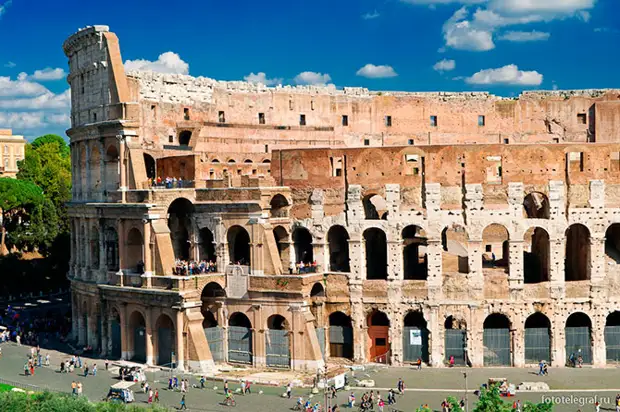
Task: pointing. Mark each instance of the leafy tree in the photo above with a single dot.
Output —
(29, 218)
(52, 138)
(491, 401)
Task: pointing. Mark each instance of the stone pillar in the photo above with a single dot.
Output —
(149, 335)
(89, 188)
(180, 344)
(73, 259)
(435, 270)
(558, 341)
(147, 253)
(556, 268)
(86, 250)
(396, 339)
(515, 275)
(598, 288)
(103, 263)
(436, 343)
(122, 241)
(318, 251)
(75, 314)
(518, 341)
(395, 269)
(599, 349)
(77, 173)
(126, 351)
(360, 331)
(258, 335)
(122, 171)
(102, 179)
(475, 275)
(475, 347)
(81, 326)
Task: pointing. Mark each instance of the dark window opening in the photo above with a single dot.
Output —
(345, 120)
(186, 114)
(481, 120)
(488, 248)
(388, 121)
(434, 121)
(94, 117)
(506, 141)
(266, 148)
(366, 142)
(261, 118)
(221, 117)
(185, 137)
(302, 119)
(582, 118)
(410, 142)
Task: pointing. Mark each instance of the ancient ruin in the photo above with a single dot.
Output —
(339, 223)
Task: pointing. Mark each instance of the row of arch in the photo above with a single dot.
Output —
(498, 339)
(95, 170)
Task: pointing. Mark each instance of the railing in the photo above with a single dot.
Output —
(178, 184)
(29, 387)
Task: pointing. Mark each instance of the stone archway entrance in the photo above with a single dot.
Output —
(240, 339)
(340, 336)
(379, 336)
(497, 341)
(415, 338)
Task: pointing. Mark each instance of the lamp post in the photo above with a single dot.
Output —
(466, 400)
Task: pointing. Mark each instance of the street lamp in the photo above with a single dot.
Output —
(466, 401)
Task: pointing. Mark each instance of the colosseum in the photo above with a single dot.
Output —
(284, 227)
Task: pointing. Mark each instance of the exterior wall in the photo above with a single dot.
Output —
(285, 185)
(11, 151)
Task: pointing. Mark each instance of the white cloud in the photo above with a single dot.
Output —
(43, 75)
(10, 65)
(606, 30)
(168, 62)
(444, 65)
(376, 72)
(436, 2)
(20, 87)
(5, 6)
(525, 36)
(461, 34)
(261, 77)
(370, 16)
(33, 120)
(312, 78)
(48, 100)
(541, 6)
(507, 75)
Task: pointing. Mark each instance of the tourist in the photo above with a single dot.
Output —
(247, 387)
(352, 400)
(26, 369)
(73, 388)
(79, 388)
(183, 387)
(225, 387)
(95, 369)
(85, 369)
(183, 402)
(381, 404)
(107, 365)
(202, 382)
(597, 406)
(169, 384)
(150, 400)
(47, 360)
(289, 389)
(156, 395)
(242, 387)
(401, 386)
(419, 363)
(451, 361)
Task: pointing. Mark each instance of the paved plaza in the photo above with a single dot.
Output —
(571, 389)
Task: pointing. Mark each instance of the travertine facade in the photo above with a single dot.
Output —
(428, 224)
(11, 151)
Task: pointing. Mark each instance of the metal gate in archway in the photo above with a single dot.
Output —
(116, 339)
(497, 347)
(415, 344)
(578, 338)
(215, 338)
(165, 345)
(278, 349)
(612, 343)
(239, 345)
(139, 344)
(537, 345)
(455, 341)
(341, 342)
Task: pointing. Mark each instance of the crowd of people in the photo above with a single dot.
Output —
(307, 267)
(33, 329)
(183, 267)
(169, 183)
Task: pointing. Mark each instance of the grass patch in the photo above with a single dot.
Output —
(5, 388)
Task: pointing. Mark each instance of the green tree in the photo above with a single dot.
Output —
(29, 220)
(491, 401)
(52, 138)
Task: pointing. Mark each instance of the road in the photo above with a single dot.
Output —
(571, 389)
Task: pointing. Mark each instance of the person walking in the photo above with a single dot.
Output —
(401, 386)
(247, 387)
(150, 400)
(225, 387)
(242, 387)
(107, 365)
(74, 388)
(95, 369)
(289, 389)
(156, 395)
(79, 388)
(381, 405)
(85, 369)
(47, 360)
(183, 406)
(202, 382)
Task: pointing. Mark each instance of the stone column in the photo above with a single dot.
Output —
(73, 257)
(395, 270)
(556, 268)
(395, 337)
(121, 244)
(434, 253)
(149, 335)
(77, 172)
(180, 344)
(86, 249)
(515, 275)
(147, 253)
(518, 341)
(126, 352)
(475, 275)
(103, 268)
(88, 191)
(558, 342)
(318, 251)
(437, 345)
(599, 350)
(475, 347)
(598, 289)
(122, 166)
(102, 179)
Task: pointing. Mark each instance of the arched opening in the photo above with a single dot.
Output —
(137, 337)
(455, 244)
(536, 206)
(318, 291)
(207, 246)
(378, 336)
(612, 246)
(612, 337)
(239, 339)
(94, 247)
(214, 334)
(165, 340)
(149, 165)
(282, 243)
(375, 207)
(185, 137)
(247, 161)
(578, 334)
(340, 336)
(95, 170)
(577, 256)
(415, 338)
(495, 241)
(180, 214)
(135, 245)
(279, 206)
(111, 249)
(537, 338)
(231, 161)
(212, 290)
(238, 245)
(215, 161)
(338, 240)
(209, 320)
(112, 169)
(303, 247)
(415, 259)
(276, 322)
(115, 332)
(266, 161)
(375, 243)
(455, 340)
(536, 255)
(497, 340)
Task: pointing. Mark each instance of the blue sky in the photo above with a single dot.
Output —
(501, 46)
